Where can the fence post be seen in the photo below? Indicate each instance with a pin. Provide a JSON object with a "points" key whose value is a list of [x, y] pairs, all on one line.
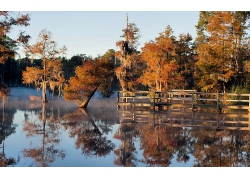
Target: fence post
{"points": [[249, 103], [192, 101], [218, 102], [133, 99], [154, 101], [117, 103]]}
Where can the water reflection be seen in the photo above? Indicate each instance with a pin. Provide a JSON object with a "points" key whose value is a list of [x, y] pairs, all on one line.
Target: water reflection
{"points": [[48, 127], [160, 143], [169, 135], [88, 136], [126, 152], [6, 129], [223, 148], [60, 134]]}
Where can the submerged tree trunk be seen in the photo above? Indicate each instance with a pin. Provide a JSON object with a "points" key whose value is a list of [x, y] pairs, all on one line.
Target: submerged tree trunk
{"points": [[85, 103]]}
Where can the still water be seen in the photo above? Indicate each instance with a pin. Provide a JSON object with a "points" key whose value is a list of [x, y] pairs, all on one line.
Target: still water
{"points": [[58, 134]]}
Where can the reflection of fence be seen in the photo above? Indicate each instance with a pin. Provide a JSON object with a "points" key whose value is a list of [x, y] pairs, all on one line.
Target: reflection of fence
{"points": [[231, 121], [182, 98]]}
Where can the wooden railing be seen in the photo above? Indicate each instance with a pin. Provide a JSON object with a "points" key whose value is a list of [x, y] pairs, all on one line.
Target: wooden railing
{"points": [[183, 98]]}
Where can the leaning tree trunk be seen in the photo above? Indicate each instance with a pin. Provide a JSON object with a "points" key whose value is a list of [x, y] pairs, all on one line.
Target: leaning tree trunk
{"points": [[85, 103]]}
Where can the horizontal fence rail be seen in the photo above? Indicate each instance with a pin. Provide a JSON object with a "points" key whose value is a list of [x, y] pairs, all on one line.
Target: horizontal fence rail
{"points": [[145, 106], [183, 98]]}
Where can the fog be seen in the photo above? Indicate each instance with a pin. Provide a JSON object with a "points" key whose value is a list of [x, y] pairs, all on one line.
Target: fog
{"points": [[19, 99]]}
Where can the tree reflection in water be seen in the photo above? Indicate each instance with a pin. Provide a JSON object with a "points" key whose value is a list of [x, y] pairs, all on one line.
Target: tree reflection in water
{"points": [[221, 148], [210, 148], [6, 129], [164, 145], [88, 136], [49, 128], [126, 153], [141, 143], [159, 144]]}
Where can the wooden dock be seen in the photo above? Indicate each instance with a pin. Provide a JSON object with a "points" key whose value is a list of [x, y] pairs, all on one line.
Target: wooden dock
{"points": [[182, 99]]}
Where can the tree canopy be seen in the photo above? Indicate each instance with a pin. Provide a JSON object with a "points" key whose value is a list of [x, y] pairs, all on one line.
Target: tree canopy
{"points": [[89, 77], [50, 73]]}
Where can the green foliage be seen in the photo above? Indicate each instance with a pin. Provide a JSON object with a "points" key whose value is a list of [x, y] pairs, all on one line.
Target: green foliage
{"points": [[239, 89]]}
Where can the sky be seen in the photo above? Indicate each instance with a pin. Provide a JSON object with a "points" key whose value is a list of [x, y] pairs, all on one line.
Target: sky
{"points": [[93, 27], [93, 33]]}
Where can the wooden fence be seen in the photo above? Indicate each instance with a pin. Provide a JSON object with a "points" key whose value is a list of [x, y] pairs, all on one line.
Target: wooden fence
{"points": [[182, 99]]}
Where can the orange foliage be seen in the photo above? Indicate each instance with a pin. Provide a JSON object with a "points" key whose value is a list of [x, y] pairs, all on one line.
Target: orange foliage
{"points": [[50, 74], [161, 72], [88, 78], [219, 56]]}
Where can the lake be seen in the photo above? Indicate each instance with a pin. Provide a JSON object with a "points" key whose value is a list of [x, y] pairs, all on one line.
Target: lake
{"points": [[59, 134]]}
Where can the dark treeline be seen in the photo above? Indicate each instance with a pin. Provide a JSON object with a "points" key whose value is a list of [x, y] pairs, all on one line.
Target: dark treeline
{"points": [[11, 70]]}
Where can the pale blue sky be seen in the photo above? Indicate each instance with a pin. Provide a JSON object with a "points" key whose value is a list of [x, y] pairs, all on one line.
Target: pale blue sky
{"points": [[95, 32], [93, 27]]}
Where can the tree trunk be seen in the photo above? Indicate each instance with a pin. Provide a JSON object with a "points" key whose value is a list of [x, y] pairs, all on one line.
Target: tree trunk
{"points": [[85, 103], [44, 98]]}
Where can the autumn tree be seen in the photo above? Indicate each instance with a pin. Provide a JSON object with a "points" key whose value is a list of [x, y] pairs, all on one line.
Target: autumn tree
{"points": [[89, 77], [222, 48], [130, 66], [159, 56], [50, 73]]}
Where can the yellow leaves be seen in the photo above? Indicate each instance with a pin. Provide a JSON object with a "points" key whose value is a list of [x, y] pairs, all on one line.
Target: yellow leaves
{"points": [[32, 74]]}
